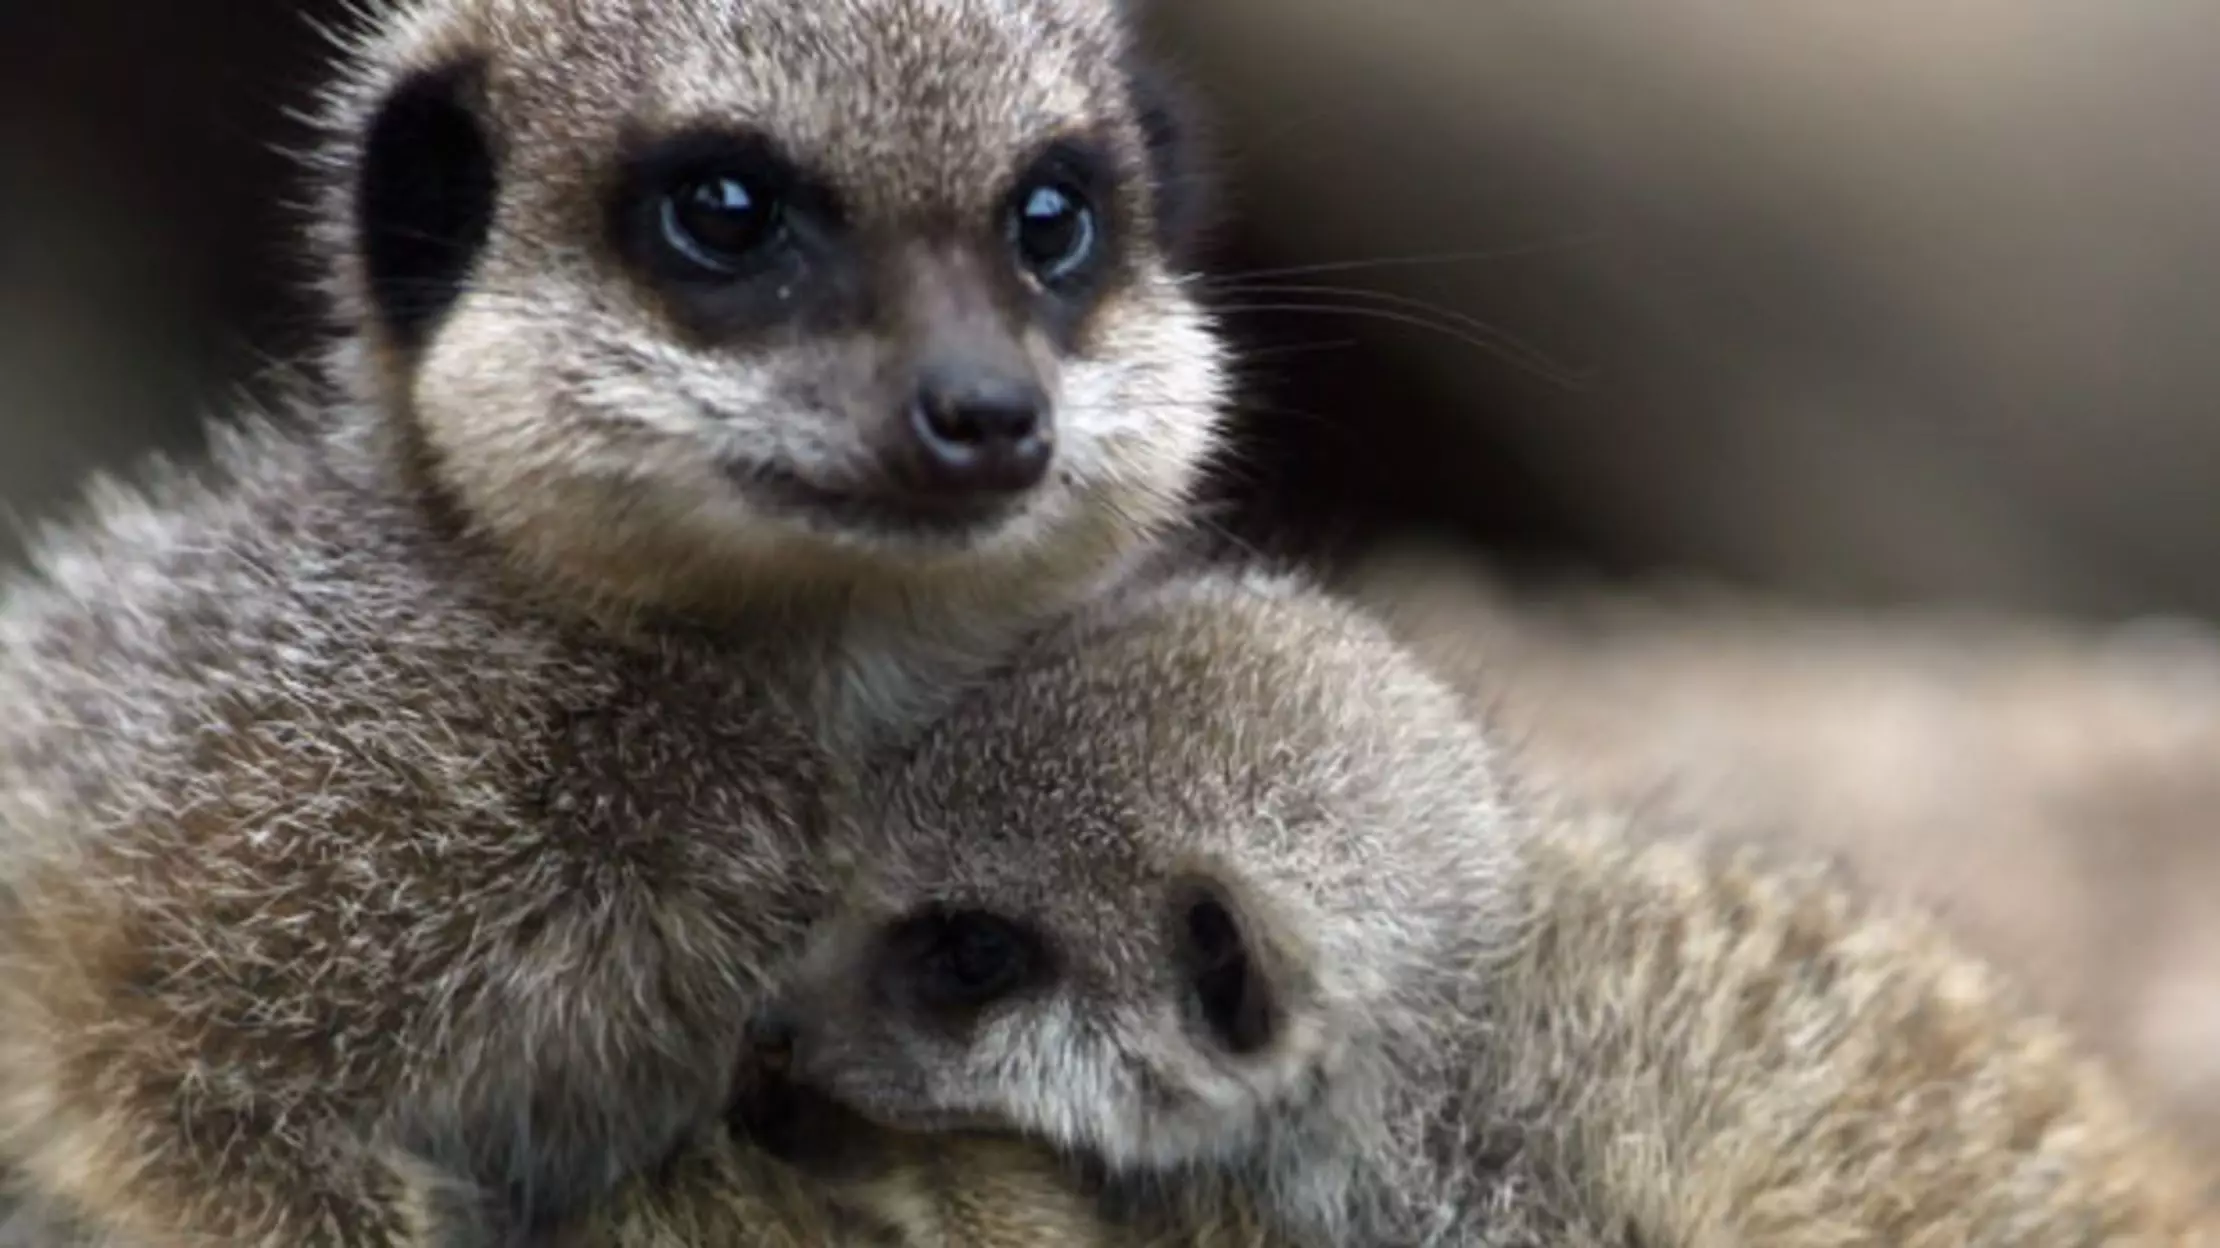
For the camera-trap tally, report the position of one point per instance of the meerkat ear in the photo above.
(423, 198)
(1241, 966)
(1179, 185)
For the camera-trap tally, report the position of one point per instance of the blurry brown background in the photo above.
(1859, 304)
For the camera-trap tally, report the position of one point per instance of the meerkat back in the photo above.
(400, 814)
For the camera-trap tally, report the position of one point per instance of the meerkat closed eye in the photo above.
(1219, 888)
(399, 820)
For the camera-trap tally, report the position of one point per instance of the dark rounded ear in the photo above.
(1234, 980)
(1179, 183)
(423, 199)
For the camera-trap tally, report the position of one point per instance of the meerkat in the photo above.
(1222, 888)
(399, 813)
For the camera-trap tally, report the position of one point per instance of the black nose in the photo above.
(981, 435)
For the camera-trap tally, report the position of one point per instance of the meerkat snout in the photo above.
(980, 432)
(975, 428)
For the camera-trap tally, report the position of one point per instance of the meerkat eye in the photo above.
(1053, 229)
(703, 213)
(965, 959)
(718, 220)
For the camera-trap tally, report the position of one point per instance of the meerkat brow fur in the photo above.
(399, 814)
(1220, 888)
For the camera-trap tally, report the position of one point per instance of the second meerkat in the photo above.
(1221, 888)
(409, 807)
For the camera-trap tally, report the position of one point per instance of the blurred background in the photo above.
(1802, 414)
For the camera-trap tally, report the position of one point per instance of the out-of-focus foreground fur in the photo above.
(943, 1191)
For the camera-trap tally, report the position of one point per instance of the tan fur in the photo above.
(937, 1191)
(941, 1191)
(399, 819)
(1496, 1022)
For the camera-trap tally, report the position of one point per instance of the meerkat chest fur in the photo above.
(442, 770)
(307, 820)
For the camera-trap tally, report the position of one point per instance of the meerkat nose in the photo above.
(981, 433)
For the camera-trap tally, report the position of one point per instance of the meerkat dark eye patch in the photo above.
(735, 235)
(1055, 219)
(1063, 219)
(957, 961)
(1228, 986)
(706, 206)
(424, 199)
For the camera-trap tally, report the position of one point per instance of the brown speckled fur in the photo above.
(936, 1191)
(1496, 1022)
(399, 818)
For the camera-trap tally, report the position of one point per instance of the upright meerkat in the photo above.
(404, 811)
(1221, 888)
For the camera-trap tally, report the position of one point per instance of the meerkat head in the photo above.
(1154, 897)
(1164, 1027)
(688, 301)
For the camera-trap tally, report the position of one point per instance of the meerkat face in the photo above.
(1148, 1039)
(706, 295)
